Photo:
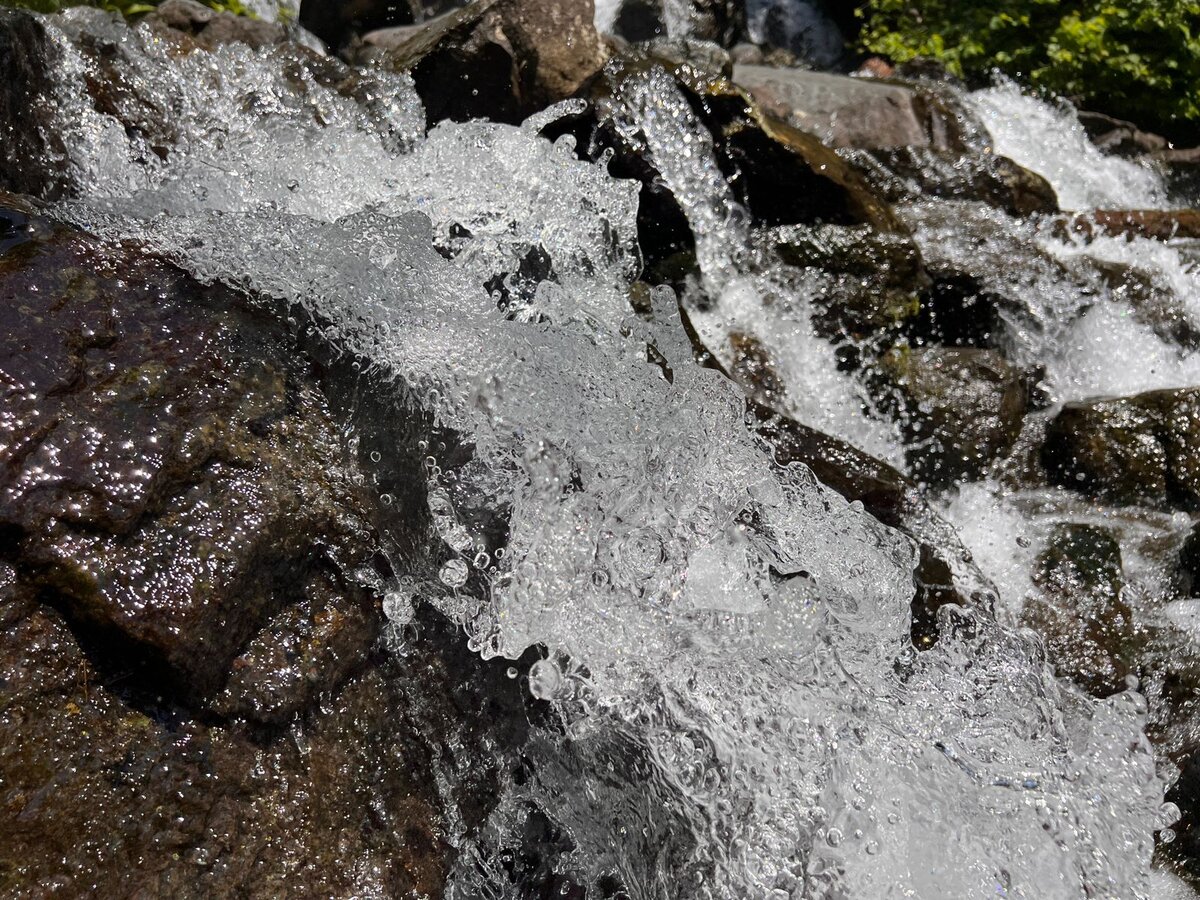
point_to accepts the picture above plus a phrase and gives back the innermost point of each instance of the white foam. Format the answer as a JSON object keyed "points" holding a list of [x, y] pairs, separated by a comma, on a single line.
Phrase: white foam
{"points": [[1050, 141], [728, 639]]}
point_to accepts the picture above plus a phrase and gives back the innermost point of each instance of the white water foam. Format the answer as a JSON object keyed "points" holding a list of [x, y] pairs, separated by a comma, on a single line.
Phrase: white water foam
{"points": [[728, 639], [1049, 140]]}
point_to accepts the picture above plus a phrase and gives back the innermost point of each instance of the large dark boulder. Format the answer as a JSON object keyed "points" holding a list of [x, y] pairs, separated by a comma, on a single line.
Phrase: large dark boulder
{"points": [[961, 407], [173, 478], [194, 556], [1143, 449], [499, 59]]}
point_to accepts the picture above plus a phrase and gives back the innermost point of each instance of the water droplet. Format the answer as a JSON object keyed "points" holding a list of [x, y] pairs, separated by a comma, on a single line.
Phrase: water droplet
{"points": [[454, 573]]}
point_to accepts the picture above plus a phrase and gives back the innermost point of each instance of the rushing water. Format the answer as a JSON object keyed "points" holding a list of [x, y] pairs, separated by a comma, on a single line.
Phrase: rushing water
{"points": [[728, 640]]}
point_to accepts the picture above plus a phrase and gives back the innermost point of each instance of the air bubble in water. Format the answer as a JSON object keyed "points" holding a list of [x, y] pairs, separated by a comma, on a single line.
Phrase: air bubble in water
{"points": [[454, 573], [545, 680]]}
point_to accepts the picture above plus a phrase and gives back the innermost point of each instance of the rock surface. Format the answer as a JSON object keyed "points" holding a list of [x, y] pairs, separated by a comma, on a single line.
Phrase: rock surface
{"points": [[878, 275], [500, 59], [1160, 224], [1080, 610], [846, 113], [32, 154], [210, 28], [191, 575], [961, 407], [1143, 449]]}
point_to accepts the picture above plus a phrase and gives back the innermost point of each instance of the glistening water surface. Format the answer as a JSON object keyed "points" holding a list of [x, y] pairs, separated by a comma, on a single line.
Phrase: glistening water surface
{"points": [[744, 715]]}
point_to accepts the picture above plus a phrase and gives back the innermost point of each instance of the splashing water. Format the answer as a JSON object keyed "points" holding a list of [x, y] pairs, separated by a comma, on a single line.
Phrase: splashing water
{"points": [[1050, 141], [728, 640]]}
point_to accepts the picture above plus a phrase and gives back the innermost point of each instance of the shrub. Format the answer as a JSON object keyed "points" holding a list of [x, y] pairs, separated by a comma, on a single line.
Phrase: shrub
{"points": [[1136, 59]]}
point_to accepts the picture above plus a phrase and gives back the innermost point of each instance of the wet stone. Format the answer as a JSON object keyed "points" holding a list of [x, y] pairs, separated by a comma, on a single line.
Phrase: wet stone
{"points": [[496, 59], [196, 699], [878, 276], [1141, 449], [1080, 610], [961, 407]]}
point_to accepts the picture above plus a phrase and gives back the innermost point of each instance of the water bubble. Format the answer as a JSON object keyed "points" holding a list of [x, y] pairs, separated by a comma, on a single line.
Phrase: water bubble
{"points": [[454, 573], [545, 680]]}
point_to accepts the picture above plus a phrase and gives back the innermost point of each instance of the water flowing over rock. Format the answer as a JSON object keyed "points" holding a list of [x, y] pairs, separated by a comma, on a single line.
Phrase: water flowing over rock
{"points": [[193, 583], [546, 533]]}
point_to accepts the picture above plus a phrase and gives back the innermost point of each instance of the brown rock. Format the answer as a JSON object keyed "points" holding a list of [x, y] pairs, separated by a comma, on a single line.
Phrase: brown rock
{"points": [[1080, 610], [171, 475], [500, 58], [210, 28], [1159, 224], [1143, 449], [846, 113], [194, 700], [962, 407]]}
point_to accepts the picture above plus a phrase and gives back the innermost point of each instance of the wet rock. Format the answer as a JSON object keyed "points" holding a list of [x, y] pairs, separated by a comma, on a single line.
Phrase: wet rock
{"points": [[210, 28], [1141, 449], [336, 22], [191, 573], [905, 174], [1160, 224], [946, 573], [173, 478], [1119, 137], [1080, 610], [878, 275], [849, 112], [32, 154], [961, 408], [1189, 562], [499, 59], [746, 54], [703, 55], [106, 797], [783, 175]]}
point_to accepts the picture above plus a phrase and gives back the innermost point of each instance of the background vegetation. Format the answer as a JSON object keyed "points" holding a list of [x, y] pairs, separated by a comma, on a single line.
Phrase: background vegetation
{"points": [[1136, 59]]}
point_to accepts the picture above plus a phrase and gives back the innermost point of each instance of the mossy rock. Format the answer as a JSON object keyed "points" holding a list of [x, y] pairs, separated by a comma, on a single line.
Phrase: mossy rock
{"points": [[878, 276]]}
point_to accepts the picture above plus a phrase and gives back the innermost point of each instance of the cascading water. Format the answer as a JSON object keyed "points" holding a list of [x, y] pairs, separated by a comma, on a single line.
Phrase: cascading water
{"points": [[742, 711]]}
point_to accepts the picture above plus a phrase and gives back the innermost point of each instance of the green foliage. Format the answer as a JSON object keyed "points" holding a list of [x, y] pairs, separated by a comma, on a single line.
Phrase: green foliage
{"points": [[1136, 59], [129, 8]]}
